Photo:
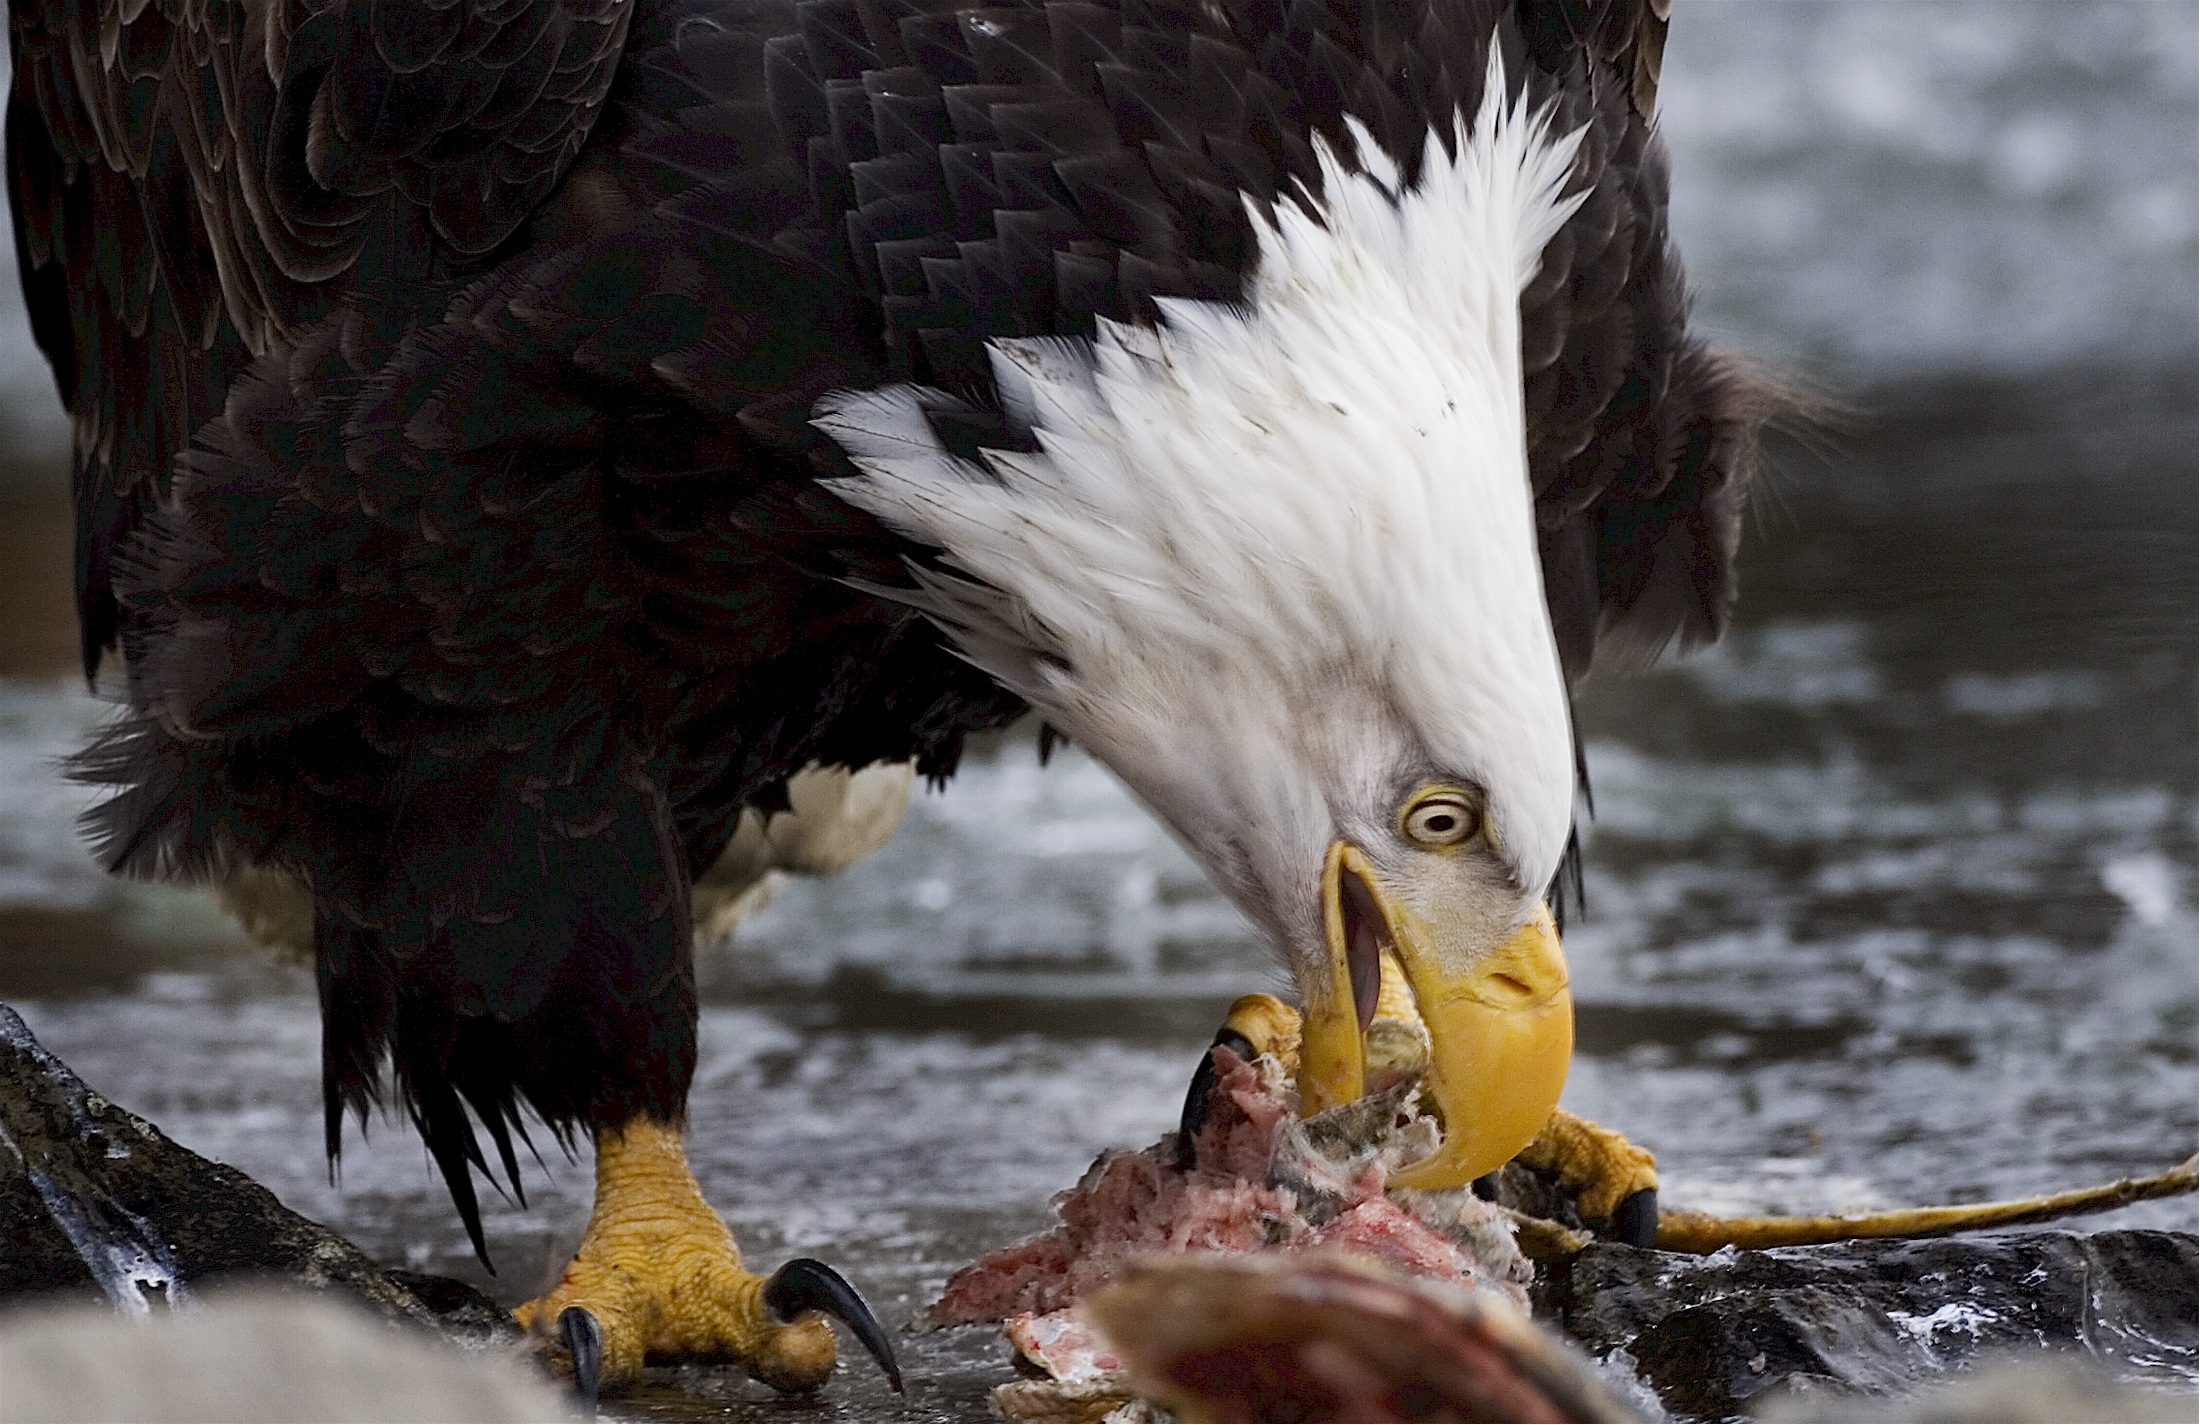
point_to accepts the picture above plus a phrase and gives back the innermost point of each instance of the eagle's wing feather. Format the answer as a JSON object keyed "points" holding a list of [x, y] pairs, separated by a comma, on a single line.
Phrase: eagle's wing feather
{"points": [[1638, 435], [195, 181]]}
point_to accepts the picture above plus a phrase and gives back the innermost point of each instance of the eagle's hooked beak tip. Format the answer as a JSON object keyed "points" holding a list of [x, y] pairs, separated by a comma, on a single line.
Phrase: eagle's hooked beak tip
{"points": [[1500, 1022]]}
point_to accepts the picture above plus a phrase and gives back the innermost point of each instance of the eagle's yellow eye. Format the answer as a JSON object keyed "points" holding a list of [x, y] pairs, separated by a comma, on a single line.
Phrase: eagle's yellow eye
{"points": [[1441, 816]]}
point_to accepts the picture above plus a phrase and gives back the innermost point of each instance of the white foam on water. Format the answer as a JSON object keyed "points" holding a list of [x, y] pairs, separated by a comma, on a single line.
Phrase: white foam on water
{"points": [[1798, 663], [2015, 697], [1955, 1316]]}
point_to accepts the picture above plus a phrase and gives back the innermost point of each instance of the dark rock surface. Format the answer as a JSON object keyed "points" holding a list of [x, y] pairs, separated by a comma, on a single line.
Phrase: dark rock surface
{"points": [[1712, 1334], [96, 1202]]}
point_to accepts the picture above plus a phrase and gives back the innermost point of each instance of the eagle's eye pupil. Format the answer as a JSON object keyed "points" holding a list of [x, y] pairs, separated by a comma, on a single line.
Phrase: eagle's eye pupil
{"points": [[1441, 818]]}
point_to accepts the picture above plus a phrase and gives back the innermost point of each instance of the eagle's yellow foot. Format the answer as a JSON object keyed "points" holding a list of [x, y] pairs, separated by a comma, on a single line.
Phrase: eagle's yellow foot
{"points": [[658, 1274], [1612, 1181]]}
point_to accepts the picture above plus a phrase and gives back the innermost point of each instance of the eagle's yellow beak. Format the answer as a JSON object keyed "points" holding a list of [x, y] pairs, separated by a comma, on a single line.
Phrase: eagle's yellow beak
{"points": [[1500, 1022]]}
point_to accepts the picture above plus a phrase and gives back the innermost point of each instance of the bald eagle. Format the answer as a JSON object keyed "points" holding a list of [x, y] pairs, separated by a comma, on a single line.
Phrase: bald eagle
{"points": [[514, 437]]}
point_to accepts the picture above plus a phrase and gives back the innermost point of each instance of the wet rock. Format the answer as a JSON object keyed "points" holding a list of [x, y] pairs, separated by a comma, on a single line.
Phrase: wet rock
{"points": [[95, 1202], [1710, 1335]]}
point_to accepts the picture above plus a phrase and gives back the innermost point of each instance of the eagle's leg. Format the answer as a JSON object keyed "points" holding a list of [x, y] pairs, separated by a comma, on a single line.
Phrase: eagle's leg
{"points": [[657, 1274], [1612, 1181]]}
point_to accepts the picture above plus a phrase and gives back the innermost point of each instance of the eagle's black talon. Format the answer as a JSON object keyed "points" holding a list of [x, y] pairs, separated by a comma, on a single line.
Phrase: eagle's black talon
{"points": [[1201, 1091], [806, 1284], [584, 1343], [1635, 1220]]}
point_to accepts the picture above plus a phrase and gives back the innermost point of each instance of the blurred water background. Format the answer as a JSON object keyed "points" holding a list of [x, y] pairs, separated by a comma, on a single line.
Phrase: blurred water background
{"points": [[1890, 898]]}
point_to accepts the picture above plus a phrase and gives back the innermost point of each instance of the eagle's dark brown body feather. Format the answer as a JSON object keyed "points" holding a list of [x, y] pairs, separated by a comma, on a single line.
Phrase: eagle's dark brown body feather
{"points": [[441, 379]]}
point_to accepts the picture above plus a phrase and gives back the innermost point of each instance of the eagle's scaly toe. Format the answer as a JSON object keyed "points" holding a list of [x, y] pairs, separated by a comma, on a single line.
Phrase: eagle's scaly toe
{"points": [[658, 1275], [1614, 1183]]}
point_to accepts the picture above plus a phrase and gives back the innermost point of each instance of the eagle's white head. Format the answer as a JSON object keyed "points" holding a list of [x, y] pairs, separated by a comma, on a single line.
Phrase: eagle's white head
{"points": [[1275, 565]]}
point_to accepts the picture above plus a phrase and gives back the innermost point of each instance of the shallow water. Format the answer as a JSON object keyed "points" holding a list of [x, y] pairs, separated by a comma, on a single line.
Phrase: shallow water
{"points": [[1890, 898], [1868, 186]]}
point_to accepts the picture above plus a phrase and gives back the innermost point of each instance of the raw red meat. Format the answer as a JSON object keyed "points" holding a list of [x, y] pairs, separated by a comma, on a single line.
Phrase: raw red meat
{"points": [[1261, 1180]]}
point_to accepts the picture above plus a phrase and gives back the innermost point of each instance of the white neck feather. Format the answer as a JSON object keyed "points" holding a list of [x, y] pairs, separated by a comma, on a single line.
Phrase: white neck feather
{"points": [[1295, 529]]}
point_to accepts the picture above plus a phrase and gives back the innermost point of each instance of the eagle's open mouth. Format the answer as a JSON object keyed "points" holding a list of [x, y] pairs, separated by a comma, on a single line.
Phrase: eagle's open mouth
{"points": [[1499, 1019], [1366, 937]]}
